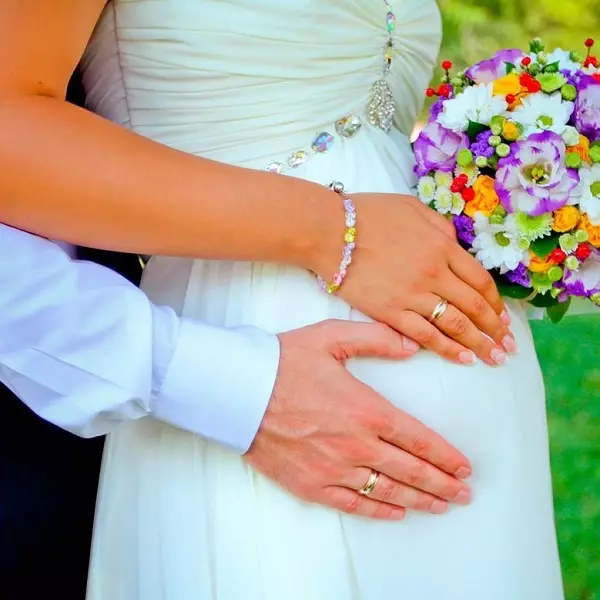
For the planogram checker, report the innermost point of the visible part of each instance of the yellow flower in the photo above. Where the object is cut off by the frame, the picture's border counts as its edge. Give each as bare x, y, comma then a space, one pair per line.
486, 199
565, 219
592, 231
583, 148
537, 265
509, 84
510, 131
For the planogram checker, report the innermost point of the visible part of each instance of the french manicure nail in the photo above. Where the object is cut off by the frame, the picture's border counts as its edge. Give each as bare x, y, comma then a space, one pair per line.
467, 358
463, 473
409, 345
498, 356
505, 317
463, 497
509, 344
438, 507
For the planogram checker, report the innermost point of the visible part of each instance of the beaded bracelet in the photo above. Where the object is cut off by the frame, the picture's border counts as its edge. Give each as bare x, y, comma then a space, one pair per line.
349, 242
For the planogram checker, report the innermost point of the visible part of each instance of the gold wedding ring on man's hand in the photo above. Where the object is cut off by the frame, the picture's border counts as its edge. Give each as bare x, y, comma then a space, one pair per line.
439, 310
370, 485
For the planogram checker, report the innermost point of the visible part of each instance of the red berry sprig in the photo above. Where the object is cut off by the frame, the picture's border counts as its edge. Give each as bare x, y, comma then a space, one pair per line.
459, 183
526, 61
557, 256
444, 90
590, 59
468, 194
530, 83
510, 99
430, 92
583, 251
446, 65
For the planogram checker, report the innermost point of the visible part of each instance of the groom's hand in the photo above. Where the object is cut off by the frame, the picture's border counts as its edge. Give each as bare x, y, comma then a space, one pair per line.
325, 432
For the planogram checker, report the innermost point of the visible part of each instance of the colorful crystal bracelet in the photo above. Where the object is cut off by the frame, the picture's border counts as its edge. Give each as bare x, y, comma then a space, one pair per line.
349, 242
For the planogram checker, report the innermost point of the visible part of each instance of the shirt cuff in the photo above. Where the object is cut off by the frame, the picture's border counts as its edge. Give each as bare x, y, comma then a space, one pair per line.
218, 383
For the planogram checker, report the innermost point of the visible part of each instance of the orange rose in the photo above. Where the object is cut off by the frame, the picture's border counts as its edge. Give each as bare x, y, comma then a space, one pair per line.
537, 265
565, 219
583, 148
486, 199
592, 230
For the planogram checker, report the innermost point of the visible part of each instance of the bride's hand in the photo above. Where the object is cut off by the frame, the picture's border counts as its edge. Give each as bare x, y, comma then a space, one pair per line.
407, 259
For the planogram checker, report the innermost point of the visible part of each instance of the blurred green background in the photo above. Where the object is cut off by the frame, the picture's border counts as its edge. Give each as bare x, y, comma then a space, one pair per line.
569, 352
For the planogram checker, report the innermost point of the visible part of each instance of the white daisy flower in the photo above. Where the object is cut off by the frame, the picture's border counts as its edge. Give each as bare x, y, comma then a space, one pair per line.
496, 246
562, 57
477, 103
426, 189
443, 200
589, 188
443, 179
542, 112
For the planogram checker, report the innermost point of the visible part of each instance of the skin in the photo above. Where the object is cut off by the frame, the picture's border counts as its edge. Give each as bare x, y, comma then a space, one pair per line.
120, 189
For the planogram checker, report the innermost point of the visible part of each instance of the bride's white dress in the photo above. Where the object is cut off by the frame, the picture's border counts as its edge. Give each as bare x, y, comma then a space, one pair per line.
250, 82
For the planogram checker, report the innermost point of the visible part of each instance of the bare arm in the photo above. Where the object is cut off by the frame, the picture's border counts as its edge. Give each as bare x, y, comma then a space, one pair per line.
68, 174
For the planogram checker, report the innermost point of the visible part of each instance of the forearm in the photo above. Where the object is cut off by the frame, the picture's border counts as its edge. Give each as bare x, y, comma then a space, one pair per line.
68, 174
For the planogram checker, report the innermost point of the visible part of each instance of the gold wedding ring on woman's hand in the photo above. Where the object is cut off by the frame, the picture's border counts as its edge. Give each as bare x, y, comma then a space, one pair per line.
439, 310
370, 485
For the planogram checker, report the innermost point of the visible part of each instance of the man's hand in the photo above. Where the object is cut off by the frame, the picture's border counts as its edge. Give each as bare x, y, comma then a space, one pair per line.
325, 432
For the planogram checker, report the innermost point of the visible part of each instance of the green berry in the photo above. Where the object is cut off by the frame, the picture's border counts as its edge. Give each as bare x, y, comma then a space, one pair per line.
536, 45
568, 92
523, 243
495, 140
503, 150
555, 273
572, 263
481, 162
464, 158
595, 189
573, 160
595, 154
581, 236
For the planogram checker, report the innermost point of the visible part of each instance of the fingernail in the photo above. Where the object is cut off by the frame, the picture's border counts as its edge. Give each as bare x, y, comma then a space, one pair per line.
505, 317
509, 344
409, 345
463, 497
498, 356
467, 358
438, 507
397, 515
463, 473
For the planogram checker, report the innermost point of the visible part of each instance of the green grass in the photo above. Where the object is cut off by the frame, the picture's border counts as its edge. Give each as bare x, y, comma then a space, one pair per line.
570, 358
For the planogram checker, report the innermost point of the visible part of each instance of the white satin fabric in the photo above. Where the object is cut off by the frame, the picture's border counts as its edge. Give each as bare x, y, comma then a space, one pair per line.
179, 518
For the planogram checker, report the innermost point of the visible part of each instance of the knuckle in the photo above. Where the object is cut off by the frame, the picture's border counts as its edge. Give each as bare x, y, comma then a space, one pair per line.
458, 324
383, 511
353, 504
479, 305
427, 336
421, 446
416, 474
385, 490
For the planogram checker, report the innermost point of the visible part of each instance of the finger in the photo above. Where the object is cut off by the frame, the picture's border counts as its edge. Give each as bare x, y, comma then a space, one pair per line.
393, 492
469, 270
419, 475
401, 430
427, 335
353, 503
479, 311
459, 327
347, 339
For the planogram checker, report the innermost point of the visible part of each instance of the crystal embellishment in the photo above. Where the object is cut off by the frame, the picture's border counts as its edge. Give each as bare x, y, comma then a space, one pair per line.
382, 107
348, 126
298, 158
323, 142
275, 167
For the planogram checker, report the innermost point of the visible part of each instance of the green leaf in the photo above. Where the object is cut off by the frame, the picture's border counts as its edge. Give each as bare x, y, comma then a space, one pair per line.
556, 312
513, 290
475, 129
510, 67
543, 301
543, 246
552, 67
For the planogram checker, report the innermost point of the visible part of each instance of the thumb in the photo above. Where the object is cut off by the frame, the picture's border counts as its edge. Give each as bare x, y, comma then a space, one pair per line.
348, 339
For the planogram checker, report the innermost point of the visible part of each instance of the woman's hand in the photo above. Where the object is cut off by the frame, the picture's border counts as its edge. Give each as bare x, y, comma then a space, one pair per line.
407, 259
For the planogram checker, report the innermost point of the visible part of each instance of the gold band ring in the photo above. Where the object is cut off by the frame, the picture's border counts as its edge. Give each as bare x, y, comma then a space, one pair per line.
438, 311
370, 485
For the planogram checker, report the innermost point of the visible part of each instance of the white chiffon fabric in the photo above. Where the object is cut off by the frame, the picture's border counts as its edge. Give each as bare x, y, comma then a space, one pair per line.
178, 518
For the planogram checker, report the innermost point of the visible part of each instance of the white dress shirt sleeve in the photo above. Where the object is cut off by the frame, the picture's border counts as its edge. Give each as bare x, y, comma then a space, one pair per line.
87, 350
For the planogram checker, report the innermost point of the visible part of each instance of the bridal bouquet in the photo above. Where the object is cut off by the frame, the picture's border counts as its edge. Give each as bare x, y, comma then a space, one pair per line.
511, 153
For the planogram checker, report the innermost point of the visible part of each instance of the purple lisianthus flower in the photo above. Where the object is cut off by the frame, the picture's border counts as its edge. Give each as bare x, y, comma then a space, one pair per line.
572, 77
436, 108
465, 229
481, 146
586, 115
520, 276
436, 149
584, 282
534, 178
487, 71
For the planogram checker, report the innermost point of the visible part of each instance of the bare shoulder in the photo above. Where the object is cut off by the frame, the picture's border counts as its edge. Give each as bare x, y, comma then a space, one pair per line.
42, 42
